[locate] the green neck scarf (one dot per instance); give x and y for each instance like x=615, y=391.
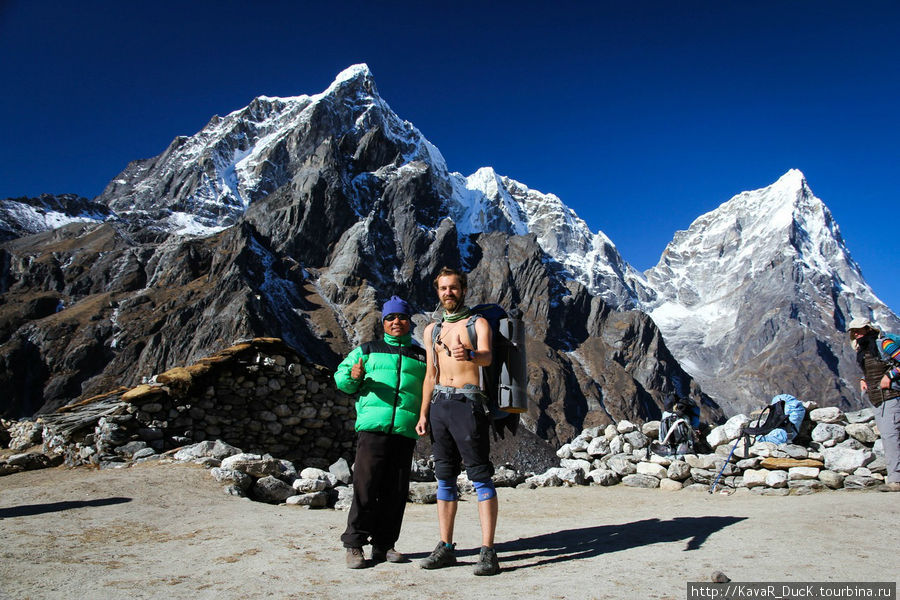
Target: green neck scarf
x=458, y=315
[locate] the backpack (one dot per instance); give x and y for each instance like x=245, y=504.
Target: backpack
x=504, y=380
x=675, y=435
x=772, y=417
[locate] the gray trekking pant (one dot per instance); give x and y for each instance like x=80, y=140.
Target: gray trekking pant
x=887, y=417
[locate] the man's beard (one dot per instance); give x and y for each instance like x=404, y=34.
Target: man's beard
x=456, y=306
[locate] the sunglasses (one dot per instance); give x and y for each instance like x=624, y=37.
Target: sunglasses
x=395, y=316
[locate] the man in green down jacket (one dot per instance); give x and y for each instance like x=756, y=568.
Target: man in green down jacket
x=387, y=374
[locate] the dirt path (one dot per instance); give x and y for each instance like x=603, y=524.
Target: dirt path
x=168, y=531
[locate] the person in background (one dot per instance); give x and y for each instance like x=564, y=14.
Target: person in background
x=878, y=355
x=387, y=375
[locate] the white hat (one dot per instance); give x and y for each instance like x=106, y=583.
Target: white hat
x=860, y=323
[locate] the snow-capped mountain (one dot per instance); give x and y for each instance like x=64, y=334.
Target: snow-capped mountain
x=486, y=201
x=294, y=217
x=753, y=299
x=205, y=182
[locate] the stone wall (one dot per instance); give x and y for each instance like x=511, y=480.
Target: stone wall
x=834, y=450
x=258, y=395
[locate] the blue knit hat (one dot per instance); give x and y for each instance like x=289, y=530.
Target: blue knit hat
x=395, y=305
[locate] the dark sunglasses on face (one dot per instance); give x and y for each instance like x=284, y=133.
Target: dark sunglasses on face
x=393, y=316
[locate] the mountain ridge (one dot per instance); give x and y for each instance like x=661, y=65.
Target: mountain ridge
x=313, y=212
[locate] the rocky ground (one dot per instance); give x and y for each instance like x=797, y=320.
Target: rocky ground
x=168, y=531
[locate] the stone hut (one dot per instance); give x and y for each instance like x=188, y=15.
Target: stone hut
x=258, y=395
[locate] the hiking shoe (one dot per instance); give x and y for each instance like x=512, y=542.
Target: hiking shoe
x=355, y=558
x=894, y=486
x=441, y=556
x=380, y=555
x=487, y=562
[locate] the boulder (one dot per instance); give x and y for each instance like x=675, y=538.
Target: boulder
x=271, y=489
x=846, y=460
x=777, y=479
x=825, y=432
x=788, y=463
x=829, y=414
x=800, y=473
x=654, y=470
x=252, y=464
x=313, y=500
x=423, y=492
x=341, y=470
x=641, y=481
x=670, y=485
x=679, y=470
x=861, y=432
x=603, y=477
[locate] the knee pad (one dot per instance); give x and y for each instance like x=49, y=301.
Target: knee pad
x=447, y=490
x=485, y=490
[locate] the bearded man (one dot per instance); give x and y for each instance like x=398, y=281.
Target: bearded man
x=455, y=407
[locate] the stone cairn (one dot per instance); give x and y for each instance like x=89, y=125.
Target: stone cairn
x=260, y=395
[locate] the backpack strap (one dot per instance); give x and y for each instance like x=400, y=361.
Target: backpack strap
x=470, y=329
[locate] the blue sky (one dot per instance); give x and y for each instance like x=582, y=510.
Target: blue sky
x=640, y=116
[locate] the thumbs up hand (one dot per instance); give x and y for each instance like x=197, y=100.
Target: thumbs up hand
x=358, y=370
x=459, y=351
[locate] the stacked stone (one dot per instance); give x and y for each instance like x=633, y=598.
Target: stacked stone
x=256, y=395
x=841, y=451
x=276, y=481
x=20, y=437
x=268, y=405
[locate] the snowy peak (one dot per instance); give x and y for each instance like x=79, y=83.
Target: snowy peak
x=762, y=284
x=205, y=182
x=486, y=201
x=748, y=234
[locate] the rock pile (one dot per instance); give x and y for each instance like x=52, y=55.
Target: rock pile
x=277, y=481
x=835, y=450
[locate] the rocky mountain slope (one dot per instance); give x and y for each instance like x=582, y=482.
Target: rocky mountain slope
x=295, y=218
x=754, y=298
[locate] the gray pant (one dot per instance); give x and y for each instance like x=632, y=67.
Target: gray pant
x=887, y=417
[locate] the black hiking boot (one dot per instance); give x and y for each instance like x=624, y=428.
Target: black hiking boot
x=441, y=556
x=380, y=555
x=355, y=558
x=487, y=562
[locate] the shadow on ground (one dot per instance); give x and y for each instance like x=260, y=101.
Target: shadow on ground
x=588, y=542
x=40, y=509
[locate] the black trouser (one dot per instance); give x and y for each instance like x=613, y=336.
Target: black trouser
x=380, y=489
x=460, y=431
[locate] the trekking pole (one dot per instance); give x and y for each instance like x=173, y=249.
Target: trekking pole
x=727, y=460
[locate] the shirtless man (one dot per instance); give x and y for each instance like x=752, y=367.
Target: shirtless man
x=460, y=426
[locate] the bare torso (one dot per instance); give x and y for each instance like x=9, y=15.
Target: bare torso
x=452, y=372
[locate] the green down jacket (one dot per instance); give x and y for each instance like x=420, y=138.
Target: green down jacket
x=390, y=393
